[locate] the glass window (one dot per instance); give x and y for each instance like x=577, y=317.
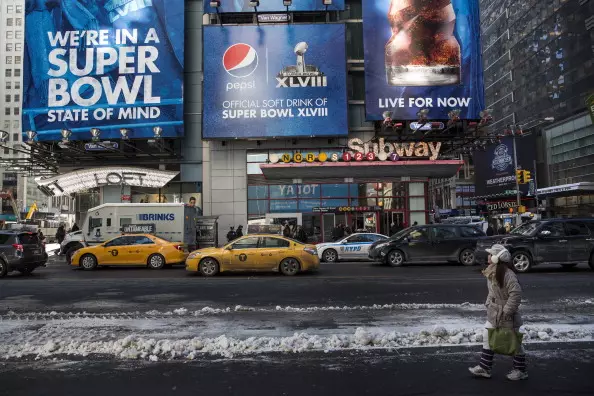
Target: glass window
x=18, y=34
x=9, y=9
x=257, y=157
x=121, y=241
x=16, y=111
x=275, y=243
x=17, y=72
x=17, y=98
x=7, y=98
x=8, y=73
x=19, y=21
x=283, y=191
x=259, y=207
x=108, y=223
x=375, y=237
x=470, y=232
x=330, y=203
x=28, y=239
x=95, y=222
x=356, y=238
x=9, y=21
x=17, y=60
x=444, y=232
x=335, y=190
x=308, y=190
x=4, y=238
x=143, y=240
x=125, y=221
x=576, y=229
x=417, y=203
x=254, y=169
x=9, y=46
x=9, y=60
x=419, y=234
x=19, y=9
x=307, y=205
x=552, y=230
x=8, y=85
x=257, y=192
x=285, y=205
x=18, y=47
x=246, y=243
x=7, y=111
x=9, y=34
x=17, y=85
x=417, y=189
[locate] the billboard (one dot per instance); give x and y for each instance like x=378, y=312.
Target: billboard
x=273, y=6
x=274, y=81
x=422, y=54
x=494, y=171
x=104, y=64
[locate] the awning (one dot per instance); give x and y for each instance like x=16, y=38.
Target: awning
x=362, y=170
x=567, y=190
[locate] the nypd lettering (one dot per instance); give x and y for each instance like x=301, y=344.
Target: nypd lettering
x=156, y=216
x=350, y=248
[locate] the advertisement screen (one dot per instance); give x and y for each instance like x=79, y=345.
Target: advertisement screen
x=274, y=81
x=273, y=6
x=422, y=54
x=109, y=65
x=494, y=170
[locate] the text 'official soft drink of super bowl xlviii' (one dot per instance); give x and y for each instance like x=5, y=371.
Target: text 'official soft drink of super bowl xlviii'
x=423, y=50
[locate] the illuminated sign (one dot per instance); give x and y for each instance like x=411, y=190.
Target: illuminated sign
x=502, y=205
x=360, y=151
x=139, y=229
x=92, y=178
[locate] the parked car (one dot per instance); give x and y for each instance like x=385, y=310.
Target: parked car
x=429, y=244
x=567, y=242
x=352, y=247
x=138, y=250
x=270, y=253
x=20, y=251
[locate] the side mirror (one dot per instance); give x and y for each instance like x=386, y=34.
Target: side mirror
x=228, y=248
x=544, y=234
x=344, y=242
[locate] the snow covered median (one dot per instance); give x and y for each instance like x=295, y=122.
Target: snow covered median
x=154, y=349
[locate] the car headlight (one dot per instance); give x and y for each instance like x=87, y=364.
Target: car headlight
x=382, y=245
x=313, y=251
x=193, y=255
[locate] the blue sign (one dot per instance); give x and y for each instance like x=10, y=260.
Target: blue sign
x=273, y=6
x=274, y=81
x=104, y=64
x=103, y=146
x=422, y=55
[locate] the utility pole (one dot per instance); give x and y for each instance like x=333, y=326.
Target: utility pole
x=518, y=197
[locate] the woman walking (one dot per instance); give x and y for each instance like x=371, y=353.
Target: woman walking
x=503, y=302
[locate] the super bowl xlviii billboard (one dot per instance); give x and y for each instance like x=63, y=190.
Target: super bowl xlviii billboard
x=104, y=64
x=274, y=81
x=272, y=6
x=422, y=54
x=494, y=170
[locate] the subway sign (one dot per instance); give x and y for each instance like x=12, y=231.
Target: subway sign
x=360, y=151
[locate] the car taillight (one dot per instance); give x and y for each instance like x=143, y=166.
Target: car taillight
x=179, y=247
x=18, y=247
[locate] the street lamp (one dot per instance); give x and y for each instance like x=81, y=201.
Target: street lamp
x=125, y=133
x=3, y=136
x=66, y=133
x=158, y=131
x=31, y=137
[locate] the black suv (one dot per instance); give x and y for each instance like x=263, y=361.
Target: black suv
x=567, y=242
x=20, y=251
x=429, y=244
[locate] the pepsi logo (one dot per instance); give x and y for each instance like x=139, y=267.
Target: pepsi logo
x=240, y=60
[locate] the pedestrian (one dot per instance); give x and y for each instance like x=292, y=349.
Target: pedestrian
x=74, y=228
x=393, y=228
x=490, y=230
x=60, y=234
x=231, y=234
x=501, y=230
x=415, y=224
x=41, y=236
x=287, y=230
x=301, y=236
x=239, y=232
x=503, y=302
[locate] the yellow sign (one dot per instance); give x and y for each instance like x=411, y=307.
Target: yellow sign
x=323, y=157
x=286, y=158
x=298, y=157
x=310, y=157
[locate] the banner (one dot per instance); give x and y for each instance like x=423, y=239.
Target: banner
x=494, y=170
x=274, y=81
x=108, y=64
x=273, y=6
x=422, y=54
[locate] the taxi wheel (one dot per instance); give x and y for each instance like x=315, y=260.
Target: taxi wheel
x=289, y=266
x=88, y=262
x=156, y=261
x=208, y=267
x=330, y=256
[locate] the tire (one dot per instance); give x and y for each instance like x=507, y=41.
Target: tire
x=70, y=251
x=467, y=257
x=156, y=261
x=330, y=256
x=88, y=262
x=395, y=258
x=26, y=271
x=3, y=268
x=568, y=266
x=289, y=266
x=208, y=266
x=522, y=261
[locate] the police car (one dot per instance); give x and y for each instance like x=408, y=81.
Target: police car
x=352, y=247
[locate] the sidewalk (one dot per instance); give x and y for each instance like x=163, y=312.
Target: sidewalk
x=556, y=369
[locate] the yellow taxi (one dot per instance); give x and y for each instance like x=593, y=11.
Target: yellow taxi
x=139, y=249
x=256, y=253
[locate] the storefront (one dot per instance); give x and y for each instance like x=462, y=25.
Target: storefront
x=569, y=200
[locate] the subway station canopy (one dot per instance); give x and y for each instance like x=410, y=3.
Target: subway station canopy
x=362, y=170
x=567, y=190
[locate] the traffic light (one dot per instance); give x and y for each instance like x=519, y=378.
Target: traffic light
x=520, y=176
x=527, y=176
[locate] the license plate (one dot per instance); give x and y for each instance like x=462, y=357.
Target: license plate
x=37, y=251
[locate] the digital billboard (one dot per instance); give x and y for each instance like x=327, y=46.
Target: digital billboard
x=494, y=170
x=422, y=54
x=273, y=6
x=109, y=65
x=274, y=81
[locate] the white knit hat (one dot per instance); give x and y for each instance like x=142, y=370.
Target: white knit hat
x=500, y=251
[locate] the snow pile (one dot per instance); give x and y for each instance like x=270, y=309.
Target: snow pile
x=50, y=248
x=138, y=347
x=576, y=302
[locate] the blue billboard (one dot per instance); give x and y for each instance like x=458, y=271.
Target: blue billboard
x=422, y=55
x=274, y=81
x=100, y=64
x=273, y=6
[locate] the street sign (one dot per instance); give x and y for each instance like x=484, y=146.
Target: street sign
x=103, y=146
